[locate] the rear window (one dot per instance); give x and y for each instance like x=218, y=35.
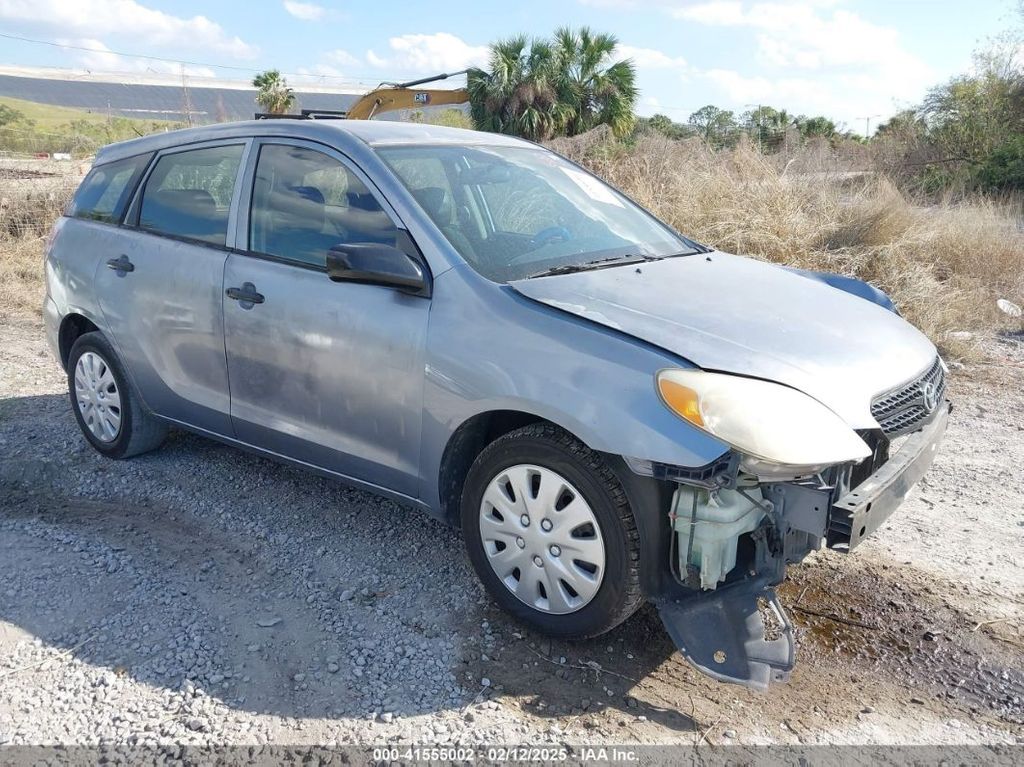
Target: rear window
x=188, y=194
x=105, y=192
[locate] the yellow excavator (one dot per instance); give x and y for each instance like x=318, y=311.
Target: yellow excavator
x=389, y=97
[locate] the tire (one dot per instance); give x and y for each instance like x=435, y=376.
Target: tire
x=121, y=430
x=533, y=457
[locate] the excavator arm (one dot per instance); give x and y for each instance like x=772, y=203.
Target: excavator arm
x=392, y=96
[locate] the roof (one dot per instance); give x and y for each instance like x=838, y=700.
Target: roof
x=338, y=133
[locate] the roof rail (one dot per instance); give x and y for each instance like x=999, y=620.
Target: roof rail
x=305, y=114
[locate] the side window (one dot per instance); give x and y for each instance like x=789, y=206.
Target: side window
x=105, y=192
x=304, y=203
x=188, y=194
x=428, y=182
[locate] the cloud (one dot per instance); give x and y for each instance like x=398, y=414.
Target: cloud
x=128, y=19
x=814, y=57
x=722, y=12
x=441, y=52
x=101, y=59
x=333, y=65
x=650, y=58
x=305, y=11
x=807, y=35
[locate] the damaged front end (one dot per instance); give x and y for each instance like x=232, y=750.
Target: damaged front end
x=735, y=525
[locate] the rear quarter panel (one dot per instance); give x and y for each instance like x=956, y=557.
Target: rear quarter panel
x=75, y=251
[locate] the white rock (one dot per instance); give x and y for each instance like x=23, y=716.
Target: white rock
x=1009, y=308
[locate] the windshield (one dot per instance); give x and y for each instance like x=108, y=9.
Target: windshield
x=515, y=212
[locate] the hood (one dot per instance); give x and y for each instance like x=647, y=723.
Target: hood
x=738, y=315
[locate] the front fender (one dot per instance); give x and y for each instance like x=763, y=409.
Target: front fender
x=490, y=349
x=850, y=285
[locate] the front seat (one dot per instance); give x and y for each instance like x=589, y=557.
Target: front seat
x=296, y=225
x=438, y=205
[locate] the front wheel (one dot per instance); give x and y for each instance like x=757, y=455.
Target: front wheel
x=550, y=533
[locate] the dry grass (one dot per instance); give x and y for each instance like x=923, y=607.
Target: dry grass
x=21, y=277
x=944, y=266
x=28, y=208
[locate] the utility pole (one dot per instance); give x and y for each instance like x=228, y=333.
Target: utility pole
x=867, y=125
x=186, y=98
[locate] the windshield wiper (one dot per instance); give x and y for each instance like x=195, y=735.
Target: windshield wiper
x=601, y=263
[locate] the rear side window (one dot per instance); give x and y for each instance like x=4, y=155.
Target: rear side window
x=105, y=192
x=188, y=194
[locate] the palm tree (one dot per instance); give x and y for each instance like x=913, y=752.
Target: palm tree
x=594, y=88
x=539, y=89
x=517, y=95
x=274, y=94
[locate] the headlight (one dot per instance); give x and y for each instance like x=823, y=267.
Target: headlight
x=763, y=420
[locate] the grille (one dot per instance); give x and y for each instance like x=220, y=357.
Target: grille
x=904, y=408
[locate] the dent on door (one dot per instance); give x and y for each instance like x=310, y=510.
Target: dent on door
x=327, y=373
x=165, y=315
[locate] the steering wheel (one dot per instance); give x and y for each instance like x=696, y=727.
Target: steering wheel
x=551, y=233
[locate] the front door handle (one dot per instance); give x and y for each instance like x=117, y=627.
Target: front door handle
x=121, y=265
x=245, y=295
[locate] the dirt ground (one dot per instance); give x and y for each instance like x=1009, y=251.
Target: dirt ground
x=203, y=595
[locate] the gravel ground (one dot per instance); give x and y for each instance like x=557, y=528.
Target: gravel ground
x=201, y=595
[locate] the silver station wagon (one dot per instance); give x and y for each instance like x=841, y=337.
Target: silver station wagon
x=478, y=328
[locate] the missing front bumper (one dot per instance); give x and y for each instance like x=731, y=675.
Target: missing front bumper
x=739, y=633
x=862, y=510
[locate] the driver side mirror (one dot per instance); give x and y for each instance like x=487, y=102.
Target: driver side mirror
x=376, y=264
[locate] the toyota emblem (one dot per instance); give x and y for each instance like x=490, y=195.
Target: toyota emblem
x=929, y=396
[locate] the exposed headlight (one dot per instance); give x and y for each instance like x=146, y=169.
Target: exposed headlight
x=764, y=420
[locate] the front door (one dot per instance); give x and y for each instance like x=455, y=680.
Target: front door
x=160, y=287
x=327, y=373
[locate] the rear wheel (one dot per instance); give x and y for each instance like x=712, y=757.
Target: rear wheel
x=550, y=533
x=107, y=409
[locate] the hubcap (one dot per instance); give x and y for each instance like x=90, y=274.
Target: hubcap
x=555, y=567
x=99, y=401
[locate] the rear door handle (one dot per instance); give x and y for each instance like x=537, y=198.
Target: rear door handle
x=121, y=265
x=245, y=295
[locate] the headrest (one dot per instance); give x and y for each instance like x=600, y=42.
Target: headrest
x=434, y=200
x=298, y=207
x=194, y=201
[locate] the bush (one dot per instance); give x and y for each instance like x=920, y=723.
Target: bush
x=1003, y=170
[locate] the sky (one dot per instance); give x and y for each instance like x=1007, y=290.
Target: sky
x=850, y=60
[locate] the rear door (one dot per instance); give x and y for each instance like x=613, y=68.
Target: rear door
x=327, y=373
x=160, y=282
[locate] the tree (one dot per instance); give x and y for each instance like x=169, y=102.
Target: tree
x=970, y=116
x=592, y=88
x=273, y=94
x=1003, y=170
x=516, y=94
x=816, y=127
x=714, y=125
x=768, y=126
x=539, y=89
x=10, y=116
x=665, y=125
